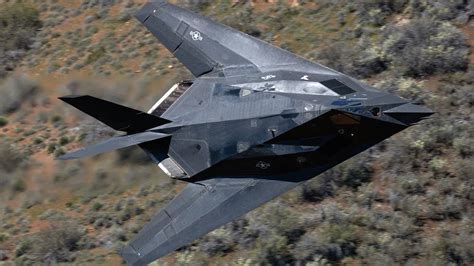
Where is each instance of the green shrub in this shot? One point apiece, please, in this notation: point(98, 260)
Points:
point(52, 215)
point(242, 19)
point(195, 5)
point(352, 173)
point(97, 206)
point(56, 119)
point(59, 152)
point(15, 91)
point(51, 148)
point(361, 60)
point(407, 88)
point(63, 141)
point(283, 220)
point(442, 10)
point(53, 245)
point(10, 157)
point(23, 247)
point(375, 12)
point(3, 121)
point(307, 247)
point(95, 55)
point(19, 24)
point(19, 185)
point(464, 146)
point(273, 250)
point(339, 57)
point(217, 242)
point(317, 189)
point(3, 237)
point(465, 169)
point(425, 47)
point(337, 233)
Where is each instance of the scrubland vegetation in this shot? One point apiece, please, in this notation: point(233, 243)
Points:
point(409, 200)
point(19, 23)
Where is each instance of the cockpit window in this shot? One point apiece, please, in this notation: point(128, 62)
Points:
point(338, 87)
point(289, 86)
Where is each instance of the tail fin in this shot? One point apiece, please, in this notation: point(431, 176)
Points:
point(116, 116)
point(115, 143)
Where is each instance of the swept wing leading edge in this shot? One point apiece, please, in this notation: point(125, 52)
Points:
point(199, 209)
point(204, 46)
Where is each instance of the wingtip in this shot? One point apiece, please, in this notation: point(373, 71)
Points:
point(130, 255)
point(68, 98)
point(146, 11)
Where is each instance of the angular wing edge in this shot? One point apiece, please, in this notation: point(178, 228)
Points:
point(199, 209)
point(199, 52)
point(203, 45)
point(114, 144)
point(114, 115)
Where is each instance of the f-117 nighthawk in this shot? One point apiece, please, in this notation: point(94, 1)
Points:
point(256, 122)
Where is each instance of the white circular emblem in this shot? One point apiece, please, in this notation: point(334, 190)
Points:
point(263, 165)
point(196, 35)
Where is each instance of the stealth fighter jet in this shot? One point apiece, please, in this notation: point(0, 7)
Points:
point(256, 122)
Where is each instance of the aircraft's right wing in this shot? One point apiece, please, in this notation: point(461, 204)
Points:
point(203, 45)
point(200, 208)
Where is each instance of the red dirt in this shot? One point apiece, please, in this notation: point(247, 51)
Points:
point(469, 31)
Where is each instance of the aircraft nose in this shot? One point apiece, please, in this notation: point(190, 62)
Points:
point(409, 113)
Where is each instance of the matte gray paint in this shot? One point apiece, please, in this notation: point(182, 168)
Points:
point(256, 122)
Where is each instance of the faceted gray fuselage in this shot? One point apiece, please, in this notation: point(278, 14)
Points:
point(256, 122)
point(246, 121)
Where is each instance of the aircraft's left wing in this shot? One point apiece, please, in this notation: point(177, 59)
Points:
point(204, 46)
point(200, 208)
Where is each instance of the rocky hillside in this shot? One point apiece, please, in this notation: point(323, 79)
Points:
point(408, 200)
